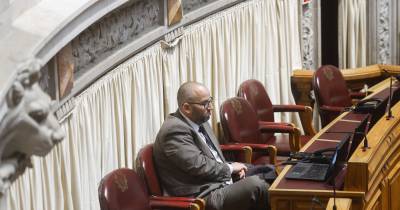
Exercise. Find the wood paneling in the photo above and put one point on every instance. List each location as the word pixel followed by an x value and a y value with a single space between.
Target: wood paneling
pixel 174 11
pixel 65 69
pixel 341 204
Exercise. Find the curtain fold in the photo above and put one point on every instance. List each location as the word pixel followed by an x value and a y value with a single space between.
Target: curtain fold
pixel 122 111
pixel 111 121
pixel 352 33
pixel 257 39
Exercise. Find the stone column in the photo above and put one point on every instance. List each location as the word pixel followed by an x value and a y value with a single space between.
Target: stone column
pixel 310 34
pixel 311 53
pixel 383 31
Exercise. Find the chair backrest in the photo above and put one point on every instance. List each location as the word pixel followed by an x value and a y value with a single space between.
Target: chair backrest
pixel 123 189
pixel 330 89
pixel 147 171
pixel 254 92
pixel 239 121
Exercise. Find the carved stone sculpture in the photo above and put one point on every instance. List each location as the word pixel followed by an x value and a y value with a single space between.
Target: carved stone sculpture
pixel 383 33
pixel 28 128
pixel 308 37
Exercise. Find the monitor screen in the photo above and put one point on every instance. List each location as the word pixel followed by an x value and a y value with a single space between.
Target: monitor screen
pixel 359 134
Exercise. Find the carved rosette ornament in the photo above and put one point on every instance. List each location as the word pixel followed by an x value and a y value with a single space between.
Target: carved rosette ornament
pixel 29 126
pixel 307 37
pixel 383 32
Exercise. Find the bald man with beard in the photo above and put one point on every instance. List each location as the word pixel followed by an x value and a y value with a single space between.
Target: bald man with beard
pixel 190 163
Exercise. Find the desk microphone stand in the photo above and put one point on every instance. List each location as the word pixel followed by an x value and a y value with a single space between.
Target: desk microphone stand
pixel 389 104
pixel 334 194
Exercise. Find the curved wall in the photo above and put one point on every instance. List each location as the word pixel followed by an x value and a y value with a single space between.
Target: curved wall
pixel 74 43
pixel 78 41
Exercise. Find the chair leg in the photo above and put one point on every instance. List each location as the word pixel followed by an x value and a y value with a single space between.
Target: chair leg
pixel 294 140
pixel 200 204
pixel 306 121
pixel 272 151
pixel 248 154
pixel 297 141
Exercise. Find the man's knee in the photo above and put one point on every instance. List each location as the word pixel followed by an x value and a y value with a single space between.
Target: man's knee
pixel 259 188
pixel 255 183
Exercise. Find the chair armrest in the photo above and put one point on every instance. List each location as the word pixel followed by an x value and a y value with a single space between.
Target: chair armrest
pixel 276 127
pixel 306 116
pixel 293 131
pixel 239 148
pixel 177 202
pixel 261 123
pixel 289 108
pixel 270 149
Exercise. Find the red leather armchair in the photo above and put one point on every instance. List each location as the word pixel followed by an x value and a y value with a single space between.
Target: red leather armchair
pixel 241 125
pixel 331 93
pixel 254 92
pixel 146 170
pixel 123 189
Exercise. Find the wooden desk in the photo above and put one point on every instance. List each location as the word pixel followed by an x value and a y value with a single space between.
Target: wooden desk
pixel 301 81
pixel 372 180
pixel 341 204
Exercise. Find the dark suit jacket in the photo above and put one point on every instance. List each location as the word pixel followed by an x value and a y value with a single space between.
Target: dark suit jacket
pixel 184 163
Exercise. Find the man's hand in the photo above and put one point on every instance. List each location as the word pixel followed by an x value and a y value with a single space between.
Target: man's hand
pixel 239 168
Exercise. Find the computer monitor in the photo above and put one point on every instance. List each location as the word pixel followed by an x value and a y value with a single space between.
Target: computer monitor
pixel 342 152
pixel 359 134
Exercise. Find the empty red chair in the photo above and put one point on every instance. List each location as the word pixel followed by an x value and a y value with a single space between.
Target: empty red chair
pixel 254 92
pixel 331 93
pixel 241 125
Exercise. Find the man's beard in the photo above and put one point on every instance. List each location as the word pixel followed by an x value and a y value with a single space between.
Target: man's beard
pixel 204 119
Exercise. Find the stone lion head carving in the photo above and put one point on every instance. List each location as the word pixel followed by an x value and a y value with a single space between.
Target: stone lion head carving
pixel 29 127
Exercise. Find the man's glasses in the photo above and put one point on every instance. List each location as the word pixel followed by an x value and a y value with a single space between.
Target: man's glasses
pixel 205 104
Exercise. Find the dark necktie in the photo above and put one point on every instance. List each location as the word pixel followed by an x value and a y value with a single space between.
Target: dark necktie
pixel 208 139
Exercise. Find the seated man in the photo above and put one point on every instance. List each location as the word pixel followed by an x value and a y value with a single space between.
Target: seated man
pixel 190 163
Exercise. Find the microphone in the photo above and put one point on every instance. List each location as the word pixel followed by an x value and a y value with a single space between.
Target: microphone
pixel 365 90
pixel 389 103
pixel 334 195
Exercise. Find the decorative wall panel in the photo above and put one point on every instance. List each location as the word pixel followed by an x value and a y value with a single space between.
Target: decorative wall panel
pixel 383 32
pixel 310 34
pixel 114 31
pixel 190 5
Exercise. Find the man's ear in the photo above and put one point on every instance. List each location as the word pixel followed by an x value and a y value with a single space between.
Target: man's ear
pixel 185 108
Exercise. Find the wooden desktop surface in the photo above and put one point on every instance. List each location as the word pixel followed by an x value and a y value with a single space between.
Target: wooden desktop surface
pixel 372 177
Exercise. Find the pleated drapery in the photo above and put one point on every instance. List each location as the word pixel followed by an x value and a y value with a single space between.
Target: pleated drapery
pixel 352 33
pixel 122 111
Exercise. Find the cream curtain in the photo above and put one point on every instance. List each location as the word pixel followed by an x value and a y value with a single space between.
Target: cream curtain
pixel 352 33
pixel 257 39
pixel 123 111
pixel 112 120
